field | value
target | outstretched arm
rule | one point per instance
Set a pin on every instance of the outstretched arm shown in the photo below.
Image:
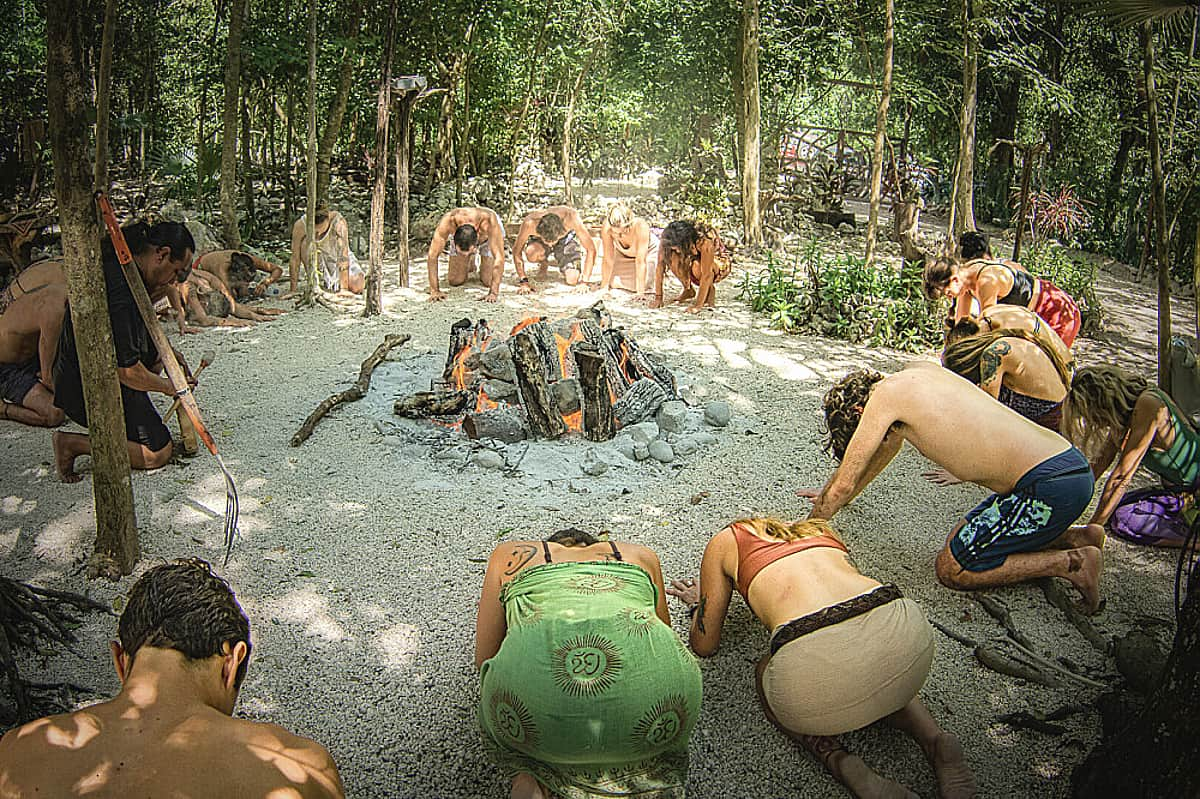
(496, 245)
(589, 246)
(523, 234)
(294, 259)
(436, 245)
(606, 266)
(274, 273)
(639, 263)
(659, 269)
(1142, 427)
(708, 274)
(51, 327)
(872, 447)
(710, 599)
(342, 231)
(490, 624)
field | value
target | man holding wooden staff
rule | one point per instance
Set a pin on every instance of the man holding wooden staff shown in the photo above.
(163, 255)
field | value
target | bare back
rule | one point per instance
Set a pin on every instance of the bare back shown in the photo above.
(22, 324)
(1014, 317)
(117, 749)
(936, 411)
(486, 222)
(1028, 370)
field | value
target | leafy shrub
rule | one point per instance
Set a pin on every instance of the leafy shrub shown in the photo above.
(1074, 276)
(1061, 214)
(840, 297)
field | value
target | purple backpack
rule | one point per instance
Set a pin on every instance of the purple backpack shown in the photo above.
(1153, 516)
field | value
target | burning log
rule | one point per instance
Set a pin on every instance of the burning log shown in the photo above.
(463, 336)
(529, 360)
(640, 365)
(433, 403)
(547, 350)
(593, 338)
(639, 403)
(504, 424)
(599, 424)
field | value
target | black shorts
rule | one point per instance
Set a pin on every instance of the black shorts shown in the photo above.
(143, 425)
(17, 380)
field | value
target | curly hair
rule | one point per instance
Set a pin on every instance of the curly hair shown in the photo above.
(1099, 405)
(184, 605)
(938, 272)
(843, 406)
(972, 244)
(780, 530)
(550, 227)
(963, 355)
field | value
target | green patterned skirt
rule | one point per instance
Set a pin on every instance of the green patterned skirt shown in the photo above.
(590, 692)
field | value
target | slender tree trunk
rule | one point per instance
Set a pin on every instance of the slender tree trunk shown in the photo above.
(569, 117)
(229, 125)
(310, 214)
(739, 108)
(519, 125)
(337, 108)
(247, 178)
(1026, 175)
(104, 94)
(67, 110)
(1158, 190)
(885, 97)
(962, 207)
(752, 150)
(1196, 276)
(383, 109)
(403, 179)
(289, 184)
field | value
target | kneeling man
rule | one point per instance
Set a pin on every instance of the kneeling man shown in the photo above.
(467, 235)
(181, 655)
(1042, 484)
(29, 332)
(558, 233)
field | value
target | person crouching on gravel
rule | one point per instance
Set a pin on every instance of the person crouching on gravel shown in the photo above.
(585, 690)
(695, 254)
(467, 236)
(845, 650)
(1042, 484)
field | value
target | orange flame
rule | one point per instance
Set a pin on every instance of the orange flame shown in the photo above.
(524, 323)
(564, 347)
(574, 421)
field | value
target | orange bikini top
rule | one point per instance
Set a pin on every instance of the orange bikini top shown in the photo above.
(755, 554)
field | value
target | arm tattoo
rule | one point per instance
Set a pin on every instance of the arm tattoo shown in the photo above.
(700, 614)
(989, 364)
(521, 554)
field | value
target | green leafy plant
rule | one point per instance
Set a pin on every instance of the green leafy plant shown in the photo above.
(1060, 214)
(842, 298)
(1073, 275)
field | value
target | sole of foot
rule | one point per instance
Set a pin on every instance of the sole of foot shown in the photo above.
(954, 777)
(64, 461)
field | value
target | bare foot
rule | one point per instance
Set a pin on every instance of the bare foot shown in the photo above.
(866, 784)
(954, 777)
(1083, 570)
(524, 786)
(64, 459)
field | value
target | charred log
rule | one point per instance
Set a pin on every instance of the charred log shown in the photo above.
(639, 364)
(433, 403)
(505, 424)
(639, 403)
(530, 363)
(599, 424)
(460, 336)
(546, 348)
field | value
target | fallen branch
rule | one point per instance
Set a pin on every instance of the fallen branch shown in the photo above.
(352, 394)
(1057, 597)
(962, 639)
(1041, 722)
(1000, 612)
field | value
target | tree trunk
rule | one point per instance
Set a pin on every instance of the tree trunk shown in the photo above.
(1026, 175)
(289, 183)
(885, 97)
(116, 528)
(1116, 175)
(519, 125)
(751, 217)
(1196, 276)
(373, 294)
(229, 126)
(569, 118)
(104, 95)
(599, 424)
(403, 179)
(962, 207)
(337, 108)
(247, 179)
(310, 214)
(1158, 192)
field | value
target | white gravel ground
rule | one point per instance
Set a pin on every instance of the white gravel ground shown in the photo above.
(360, 561)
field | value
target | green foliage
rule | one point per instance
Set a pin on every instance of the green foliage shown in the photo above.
(842, 298)
(1075, 276)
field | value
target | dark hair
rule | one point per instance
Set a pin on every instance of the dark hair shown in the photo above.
(937, 275)
(465, 237)
(972, 244)
(321, 214)
(963, 328)
(183, 605)
(573, 537)
(141, 237)
(550, 226)
(215, 303)
(241, 266)
(843, 405)
(682, 235)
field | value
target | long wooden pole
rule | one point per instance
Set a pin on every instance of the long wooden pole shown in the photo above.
(1158, 193)
(885, 97)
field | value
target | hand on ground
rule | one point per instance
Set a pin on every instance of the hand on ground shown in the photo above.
(687, 590)
(436, 296)
(525, 288)
(808, 493)
(656, 303)
(491, 297)
(941, 477)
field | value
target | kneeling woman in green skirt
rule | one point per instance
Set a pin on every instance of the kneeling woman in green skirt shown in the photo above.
(584, 688)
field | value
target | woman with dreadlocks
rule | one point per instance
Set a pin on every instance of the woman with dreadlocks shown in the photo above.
(1115, 416)
(1014, 366)
(695, 254)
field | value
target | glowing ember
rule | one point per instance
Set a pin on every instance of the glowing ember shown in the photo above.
(564, 347)
(524, 323)
(574, 421)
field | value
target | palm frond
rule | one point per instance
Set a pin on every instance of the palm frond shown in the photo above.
(1172, 14)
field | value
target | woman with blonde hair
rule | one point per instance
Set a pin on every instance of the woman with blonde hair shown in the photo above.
(1014, 366)
(1115, 416)
(629, 246)
(845, 650)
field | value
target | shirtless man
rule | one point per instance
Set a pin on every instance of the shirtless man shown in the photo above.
(181, 657)
(205, 300)
(237, 271)
(556, 232)
(29, 332)
(1042, 484)
(337, 268)
(629, 245)
(33, 278)
(463, 234)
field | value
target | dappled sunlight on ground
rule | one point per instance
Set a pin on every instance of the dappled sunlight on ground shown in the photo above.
(307, 608)
(398, 644)
(68, 538)
(783, 365)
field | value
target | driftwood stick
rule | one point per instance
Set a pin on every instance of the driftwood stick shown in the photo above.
(951, 634)
(355, 392)
(78, 600)
(433, 403)
(1041, 722)
(992, 656)
(1059, 599)
(1000, 612)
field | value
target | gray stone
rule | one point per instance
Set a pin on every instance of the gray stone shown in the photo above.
(672, 417)
(642, 432)
(704, 439)
(845, 227)
(686, 445)
(717, 413)
(498, 389)
(641, 451)
(456, 453)
(625, 446)
(661, 451)
(566, 395)
(487, 459)
(497, 362)
(593, 463)
(688, 394)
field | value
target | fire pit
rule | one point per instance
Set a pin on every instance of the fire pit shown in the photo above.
(545, 380)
